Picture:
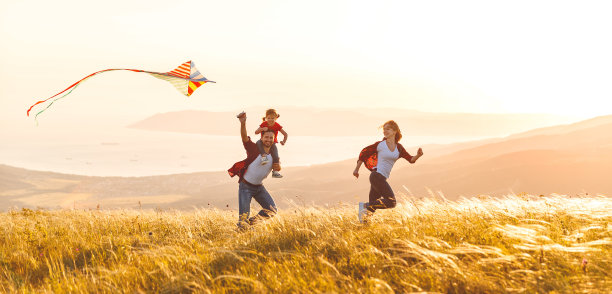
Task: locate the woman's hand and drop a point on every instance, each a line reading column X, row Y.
column 356, row 171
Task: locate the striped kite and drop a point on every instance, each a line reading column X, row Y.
column 186, row 78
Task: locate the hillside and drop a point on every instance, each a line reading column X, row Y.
column 572, row 160
column 353, row 122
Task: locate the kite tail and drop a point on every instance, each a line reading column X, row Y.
column 71, row 87
column 36, row 116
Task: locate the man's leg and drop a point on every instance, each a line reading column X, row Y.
column 245, row 193
column 381, row 194
column 268, row 207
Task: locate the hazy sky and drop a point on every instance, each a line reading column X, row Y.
column 442, row 56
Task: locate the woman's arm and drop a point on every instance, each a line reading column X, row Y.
column 284, row 135
column 414, row 158
column 356, row 171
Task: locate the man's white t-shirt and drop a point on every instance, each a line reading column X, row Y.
column 386, row 158
column 256, row 173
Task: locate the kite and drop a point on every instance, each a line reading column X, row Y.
column 186, row 78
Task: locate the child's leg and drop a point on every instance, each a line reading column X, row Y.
column 274, row 153
column 260, row 148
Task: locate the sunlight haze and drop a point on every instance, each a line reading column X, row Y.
column 524, row 57
column 520, row 56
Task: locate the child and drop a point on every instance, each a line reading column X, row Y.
column 269, row 122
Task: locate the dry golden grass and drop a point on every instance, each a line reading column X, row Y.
column 519, row 244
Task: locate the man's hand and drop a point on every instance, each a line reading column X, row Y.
column 243, row 132
column 242, row 117
column 356, row 173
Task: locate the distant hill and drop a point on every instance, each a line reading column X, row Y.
column 566, row 128
column 353, row 122
column 571, row 159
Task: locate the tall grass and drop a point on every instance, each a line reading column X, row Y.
column 518, row 244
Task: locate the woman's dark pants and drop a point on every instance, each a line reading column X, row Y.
column 381, row 194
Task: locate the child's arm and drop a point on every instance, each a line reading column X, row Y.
column 260, row 129
column 285, row 136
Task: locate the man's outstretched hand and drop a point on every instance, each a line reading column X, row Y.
column 243, row 132
column 242, row 117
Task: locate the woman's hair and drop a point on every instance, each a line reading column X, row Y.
column 270, row 111
column 393, row 125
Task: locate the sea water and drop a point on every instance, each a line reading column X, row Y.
column 131, row 152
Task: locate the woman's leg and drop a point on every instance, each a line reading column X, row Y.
column 383, row 194
column 374, row 194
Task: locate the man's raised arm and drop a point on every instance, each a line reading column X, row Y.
column 243, row 131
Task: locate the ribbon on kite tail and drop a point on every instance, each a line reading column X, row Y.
column 186, row 78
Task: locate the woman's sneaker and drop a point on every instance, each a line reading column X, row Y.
column 276, row 174
column 362, row 212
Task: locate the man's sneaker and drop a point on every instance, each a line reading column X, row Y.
column 276, row 174
column 264, row 160
column 240, row 114
column 362, row 212
column 242, row 226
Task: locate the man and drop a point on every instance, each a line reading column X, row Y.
column 251, row 175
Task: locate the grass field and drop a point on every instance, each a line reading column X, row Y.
column 518, row 244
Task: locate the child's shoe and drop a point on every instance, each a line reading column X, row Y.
column 276, row 174
column 264, row 160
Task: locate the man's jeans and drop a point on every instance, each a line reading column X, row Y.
column 247, row 191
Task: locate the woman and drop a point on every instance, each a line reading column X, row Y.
column 379, row 158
